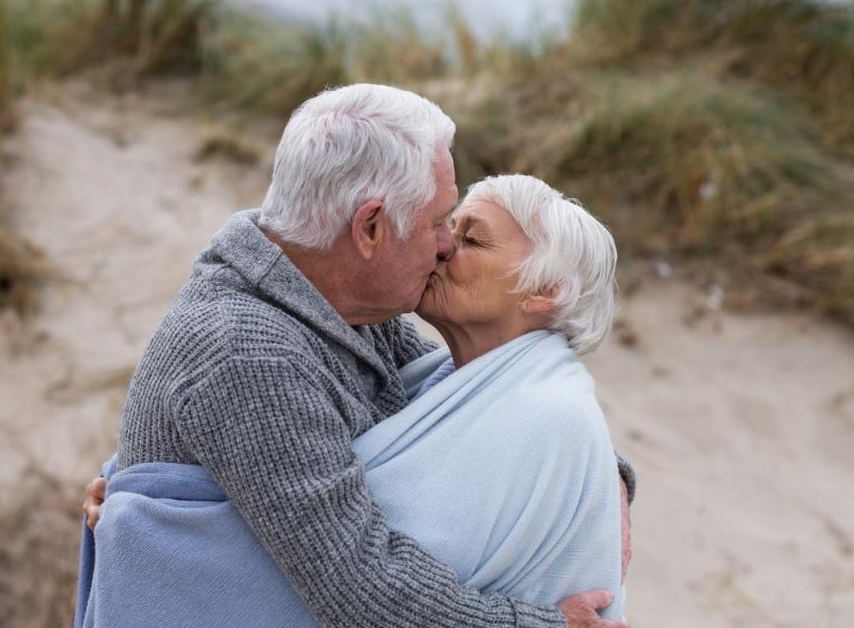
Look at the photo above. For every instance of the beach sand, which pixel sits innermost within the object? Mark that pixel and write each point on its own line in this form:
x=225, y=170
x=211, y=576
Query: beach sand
x=740, y=425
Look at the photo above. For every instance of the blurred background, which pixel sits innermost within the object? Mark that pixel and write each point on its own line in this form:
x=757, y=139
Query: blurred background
x=714, y=137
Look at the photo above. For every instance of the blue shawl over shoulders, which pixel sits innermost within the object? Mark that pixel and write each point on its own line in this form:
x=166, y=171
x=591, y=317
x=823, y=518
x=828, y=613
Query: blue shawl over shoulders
x=503, y=469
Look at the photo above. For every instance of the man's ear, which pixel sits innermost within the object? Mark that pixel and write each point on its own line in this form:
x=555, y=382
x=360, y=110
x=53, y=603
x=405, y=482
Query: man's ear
x=368, y=227
x=543, y=302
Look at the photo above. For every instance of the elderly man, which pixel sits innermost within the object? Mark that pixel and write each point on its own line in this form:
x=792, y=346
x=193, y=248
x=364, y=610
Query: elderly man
x=285, y=345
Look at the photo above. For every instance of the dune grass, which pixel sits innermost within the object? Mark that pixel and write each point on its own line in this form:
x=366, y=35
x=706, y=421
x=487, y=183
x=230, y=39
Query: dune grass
x=22, y=270
x=134, y=37
x=716, y=132
x=801, y=47
x=719, y=131
x=719, y=173
x=5, y=74
x=268, y=68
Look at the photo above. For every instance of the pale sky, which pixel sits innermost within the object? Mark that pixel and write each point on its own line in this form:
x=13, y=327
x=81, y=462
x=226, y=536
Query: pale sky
x=519, y=18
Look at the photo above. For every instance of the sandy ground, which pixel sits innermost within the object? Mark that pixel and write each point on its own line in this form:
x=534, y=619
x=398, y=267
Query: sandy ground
x=740, y=427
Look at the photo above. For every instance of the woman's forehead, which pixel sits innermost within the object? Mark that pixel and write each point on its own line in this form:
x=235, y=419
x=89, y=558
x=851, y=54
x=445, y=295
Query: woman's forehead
x=481, y=213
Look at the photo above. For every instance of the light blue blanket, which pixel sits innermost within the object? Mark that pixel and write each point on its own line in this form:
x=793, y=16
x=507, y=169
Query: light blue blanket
x=502, y=469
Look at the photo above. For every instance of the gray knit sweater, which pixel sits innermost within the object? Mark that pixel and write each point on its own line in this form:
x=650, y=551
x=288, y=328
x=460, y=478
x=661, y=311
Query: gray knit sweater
x=254, y=376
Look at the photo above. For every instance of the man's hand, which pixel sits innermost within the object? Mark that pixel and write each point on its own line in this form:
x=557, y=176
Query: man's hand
x=626, y=530
x=580, y=610
x=95, y=491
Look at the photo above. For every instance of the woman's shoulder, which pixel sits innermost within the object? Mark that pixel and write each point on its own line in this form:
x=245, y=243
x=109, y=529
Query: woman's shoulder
x=559, y=398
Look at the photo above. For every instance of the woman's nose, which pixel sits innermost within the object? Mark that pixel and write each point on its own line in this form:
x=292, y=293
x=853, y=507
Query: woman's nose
x=445, y=244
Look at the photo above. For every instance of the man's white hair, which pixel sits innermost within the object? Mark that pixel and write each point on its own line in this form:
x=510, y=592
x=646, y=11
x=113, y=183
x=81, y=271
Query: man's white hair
x=571, y=251
x=347, y=146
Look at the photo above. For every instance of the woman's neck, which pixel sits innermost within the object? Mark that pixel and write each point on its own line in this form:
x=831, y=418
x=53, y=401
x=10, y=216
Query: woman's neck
x=469, y=342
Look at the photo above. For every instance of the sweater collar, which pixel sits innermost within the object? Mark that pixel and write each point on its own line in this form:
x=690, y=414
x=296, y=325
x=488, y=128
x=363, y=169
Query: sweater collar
x=242, y=245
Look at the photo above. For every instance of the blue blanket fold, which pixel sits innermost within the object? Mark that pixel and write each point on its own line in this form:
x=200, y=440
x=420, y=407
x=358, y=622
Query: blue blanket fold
x=502, y=469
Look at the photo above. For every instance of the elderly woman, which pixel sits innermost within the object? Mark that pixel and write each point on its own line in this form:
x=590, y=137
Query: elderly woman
x=498, y=423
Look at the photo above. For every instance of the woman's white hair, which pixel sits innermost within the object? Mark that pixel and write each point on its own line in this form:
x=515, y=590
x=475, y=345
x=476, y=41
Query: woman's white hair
x=571, y=251
x=347, y=146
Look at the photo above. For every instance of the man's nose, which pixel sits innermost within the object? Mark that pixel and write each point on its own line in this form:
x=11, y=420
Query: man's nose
x=445, y=244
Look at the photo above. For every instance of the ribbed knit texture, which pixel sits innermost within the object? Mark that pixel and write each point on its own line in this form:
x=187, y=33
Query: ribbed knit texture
x=254, y=376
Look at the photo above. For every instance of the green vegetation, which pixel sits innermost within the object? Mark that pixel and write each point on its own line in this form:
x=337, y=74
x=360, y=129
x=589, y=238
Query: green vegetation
x=801, y=47
x=715, y=131
x=5, y=81
x=720, y=132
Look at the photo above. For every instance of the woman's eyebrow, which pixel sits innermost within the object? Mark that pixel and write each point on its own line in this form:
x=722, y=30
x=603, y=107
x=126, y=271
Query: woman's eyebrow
x=473, y=221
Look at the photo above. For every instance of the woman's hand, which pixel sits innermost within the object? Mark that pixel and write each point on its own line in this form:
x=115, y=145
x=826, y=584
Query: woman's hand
x=95, y=491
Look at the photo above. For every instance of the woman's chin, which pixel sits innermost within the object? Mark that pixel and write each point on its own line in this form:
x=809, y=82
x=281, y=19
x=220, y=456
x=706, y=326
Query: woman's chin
x=423, y=310
x=427, y=306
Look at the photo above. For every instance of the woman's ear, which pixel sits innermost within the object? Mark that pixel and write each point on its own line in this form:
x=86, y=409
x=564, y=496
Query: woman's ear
x=542, y=302
x=368, y=227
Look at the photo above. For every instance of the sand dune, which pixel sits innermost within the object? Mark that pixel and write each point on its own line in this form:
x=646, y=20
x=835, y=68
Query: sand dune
x=741, y=427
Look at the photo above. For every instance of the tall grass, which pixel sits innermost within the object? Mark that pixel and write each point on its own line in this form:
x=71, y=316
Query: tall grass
x=713, y=129
x=269, y=68
x=5, y=73
x=802, y=47
x=696, y=132
x=134, y=37
x=716, y=172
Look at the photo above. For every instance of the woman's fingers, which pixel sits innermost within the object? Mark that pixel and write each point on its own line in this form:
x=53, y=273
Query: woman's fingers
x=95, y=491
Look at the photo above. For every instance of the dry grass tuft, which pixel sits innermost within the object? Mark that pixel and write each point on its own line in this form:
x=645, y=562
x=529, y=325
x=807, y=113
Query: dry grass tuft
x=22, y=269
x=228, y=148
x=138, y=37
x=392, y=48
x=270, y=68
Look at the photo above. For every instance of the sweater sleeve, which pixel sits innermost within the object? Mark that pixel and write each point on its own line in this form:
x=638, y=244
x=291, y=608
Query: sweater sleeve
x=627, y=473
x=277, y=443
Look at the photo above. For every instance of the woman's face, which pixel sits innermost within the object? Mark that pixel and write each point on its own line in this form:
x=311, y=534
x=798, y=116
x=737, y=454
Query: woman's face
x=476, y=286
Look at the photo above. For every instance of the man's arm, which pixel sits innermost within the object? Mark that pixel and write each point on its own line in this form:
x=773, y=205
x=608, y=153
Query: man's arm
x=276, y=442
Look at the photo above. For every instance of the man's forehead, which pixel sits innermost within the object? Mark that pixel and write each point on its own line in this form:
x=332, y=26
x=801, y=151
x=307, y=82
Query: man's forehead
x=444, y=165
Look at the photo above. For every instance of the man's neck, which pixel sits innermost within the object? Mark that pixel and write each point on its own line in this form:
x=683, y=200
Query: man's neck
x=331, y=273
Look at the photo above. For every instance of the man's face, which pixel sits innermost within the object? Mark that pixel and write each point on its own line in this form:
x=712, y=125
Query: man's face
x=407, y=264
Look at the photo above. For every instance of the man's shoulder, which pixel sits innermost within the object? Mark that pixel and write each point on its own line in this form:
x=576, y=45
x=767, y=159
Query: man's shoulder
x=215, y=318
x=229, y=312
